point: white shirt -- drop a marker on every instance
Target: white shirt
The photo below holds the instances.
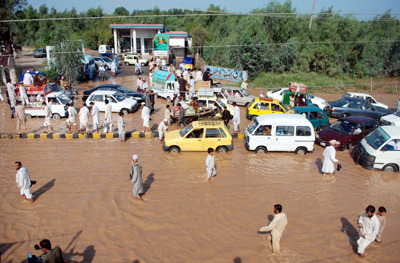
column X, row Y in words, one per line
column 84, row 114
column 28, row 79
column 146, row 113
column 139, row 83
column 113, row 67
column 176, row 87
column 236, row 115
column 95, row 113
column 72, row 113
column 145, row 86
column 370, row 226
column 121, row 124
column 47, row 110
column 108, row 113
column 162, row 128
column 210, row 163
column 192, row 85
column 244, row 85
column 11, row 90
column 199, row 75
column 22, row 178
column 278, row 224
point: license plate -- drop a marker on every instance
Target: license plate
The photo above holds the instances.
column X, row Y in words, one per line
column 323, row 144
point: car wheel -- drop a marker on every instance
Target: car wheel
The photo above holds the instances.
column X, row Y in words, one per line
column 126, row 63
column 28, row 116
column 390, row 168
column 174, row 149
column 168, row 100
column 222, row 149
column 301, row 150
column 344, row 115
column 56, row 116
column 246, row 105
column 345, row 147
column 125, row 111
column 261, row 149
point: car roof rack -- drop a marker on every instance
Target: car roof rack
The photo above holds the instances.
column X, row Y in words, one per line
column 208, row 121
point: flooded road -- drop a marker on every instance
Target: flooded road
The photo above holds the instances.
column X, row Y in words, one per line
column 84, row 204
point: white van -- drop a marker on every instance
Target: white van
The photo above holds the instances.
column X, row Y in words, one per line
column 280, row 132
column 379, row 149
column 58, row 107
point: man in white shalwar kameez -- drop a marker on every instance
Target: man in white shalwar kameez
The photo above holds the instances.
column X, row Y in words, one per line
column 162, row 129
column 47, row 118
column 210, row 164
column 146, row 118
column 329, row 153
column 95, row 116
column 24, row 96
column 136, row 178
column 12, row 96
column 71, row 118
column 121, row 126
column 108, row 117
column 275, row 228
column 84, row 118
column 236, row 118
column 24, row 182
column 28, row 79
column 369, row 227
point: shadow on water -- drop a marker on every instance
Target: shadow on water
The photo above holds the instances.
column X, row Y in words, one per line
column 154, row 127
column 351, row 232
column 318, row 163
column 147, row 184
column 136, row 261
column 43, row 189
column 88, row 254
column 237, row 260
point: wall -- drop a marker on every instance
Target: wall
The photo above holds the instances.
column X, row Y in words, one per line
column 227, row 74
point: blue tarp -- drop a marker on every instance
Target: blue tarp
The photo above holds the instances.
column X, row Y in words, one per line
column 88, row 59
column 33, row 73
column 188, row 60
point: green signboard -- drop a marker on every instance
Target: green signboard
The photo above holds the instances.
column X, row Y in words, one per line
column 161, row 45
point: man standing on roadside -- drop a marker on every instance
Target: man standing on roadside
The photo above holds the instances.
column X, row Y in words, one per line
column 84, row 118
column 121, row 126
column 275, row 228
column 210, row 164
column 369, row 227
column 95, row 116
column 168, row 114
column 181, row 116
column 108, row 117
column 136, row 178
column 21, row 118
column 12, row 97
column 236, row 118
column 226, row 116
column 146, row 118
column 24, row 181
column 71, row 118
column 162, row 129
column 47, row 118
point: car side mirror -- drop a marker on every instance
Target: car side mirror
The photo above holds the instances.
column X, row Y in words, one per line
column 357, row 131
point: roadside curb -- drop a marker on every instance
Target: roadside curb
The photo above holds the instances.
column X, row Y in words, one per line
column 87, row 136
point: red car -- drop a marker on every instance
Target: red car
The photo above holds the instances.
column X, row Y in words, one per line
column 348, row 131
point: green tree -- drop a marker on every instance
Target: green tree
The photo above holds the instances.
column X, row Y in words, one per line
column 68, row 59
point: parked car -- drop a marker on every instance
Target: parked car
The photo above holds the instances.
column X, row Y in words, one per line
column 391, row 119
column 131, row 60
column 117, row 100
column 279, row 95
column 205, row 101
column 238, row 95
column 58, row 107
column 124, row 90
column 260, row 106
column 348, row 131
column 315, row 115
column 280, row 132
column 199, row 136
column 39, row 53
column 52, row 87
column 379, row 150
column 347, row 106
column 366, row 97
column 104, row 61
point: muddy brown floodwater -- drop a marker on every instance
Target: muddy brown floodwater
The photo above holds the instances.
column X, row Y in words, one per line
column 84, row 200
column 84, row 204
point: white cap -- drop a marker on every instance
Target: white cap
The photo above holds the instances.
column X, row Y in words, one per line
column 143, row 103
column 166, row 120
column 28, row 71
column 135, row 157
column 37, row 72
column 334, row 142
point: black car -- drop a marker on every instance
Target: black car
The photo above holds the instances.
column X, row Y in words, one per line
column 127, row 92
column 39, row 53
column 347, row 106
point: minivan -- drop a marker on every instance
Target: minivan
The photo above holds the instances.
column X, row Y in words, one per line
column 280, row 132
column 380, row 149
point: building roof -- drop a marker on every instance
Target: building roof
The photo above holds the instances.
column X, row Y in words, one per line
column 176, row 34
column 137, row 26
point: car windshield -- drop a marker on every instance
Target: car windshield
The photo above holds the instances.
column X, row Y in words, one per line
column 397, row 113
column 342, row 126
column 252, row 126
column 251, row 103
column 185, row 130
column 277, row 90
column 220, row 102
column 119, row 96
column 341, row 101
column 293, row 111
column 346, row 95
column 377, row 138
column 124, row 89
column 245, row 93
column 56, row 88
column 106, row 59
column 63, row 99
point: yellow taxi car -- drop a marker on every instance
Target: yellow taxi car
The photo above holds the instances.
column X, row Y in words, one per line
column 260, row 106
column 199, row 136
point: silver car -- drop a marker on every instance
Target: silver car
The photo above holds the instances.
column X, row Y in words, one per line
column 105, row 61
column 238, row 95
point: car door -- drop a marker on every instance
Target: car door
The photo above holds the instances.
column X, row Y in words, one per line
column 212, row 139
column 263, row 137
column 99, row 102
column 228, row 94
column 284, row 138
column 193, row 141
column 115, row 105
column 276, row 108
column 355, row 108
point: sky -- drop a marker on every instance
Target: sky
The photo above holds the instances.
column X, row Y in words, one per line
column 244, row 6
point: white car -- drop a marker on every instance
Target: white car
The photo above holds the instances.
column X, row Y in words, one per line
column 58, row 107
column 391, row 119
column 117, row 100
column 279, row 93
column 366, row 97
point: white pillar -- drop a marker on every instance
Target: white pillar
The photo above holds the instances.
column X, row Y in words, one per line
column 118, row 51
column 142, row 45
column 134, row 41
column 115, row 40
column 130, row 39
column 158, row 31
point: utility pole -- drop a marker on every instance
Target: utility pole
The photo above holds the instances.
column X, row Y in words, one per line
column 312, row 14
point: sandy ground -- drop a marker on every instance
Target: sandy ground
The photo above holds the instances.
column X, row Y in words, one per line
column 84, row 200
